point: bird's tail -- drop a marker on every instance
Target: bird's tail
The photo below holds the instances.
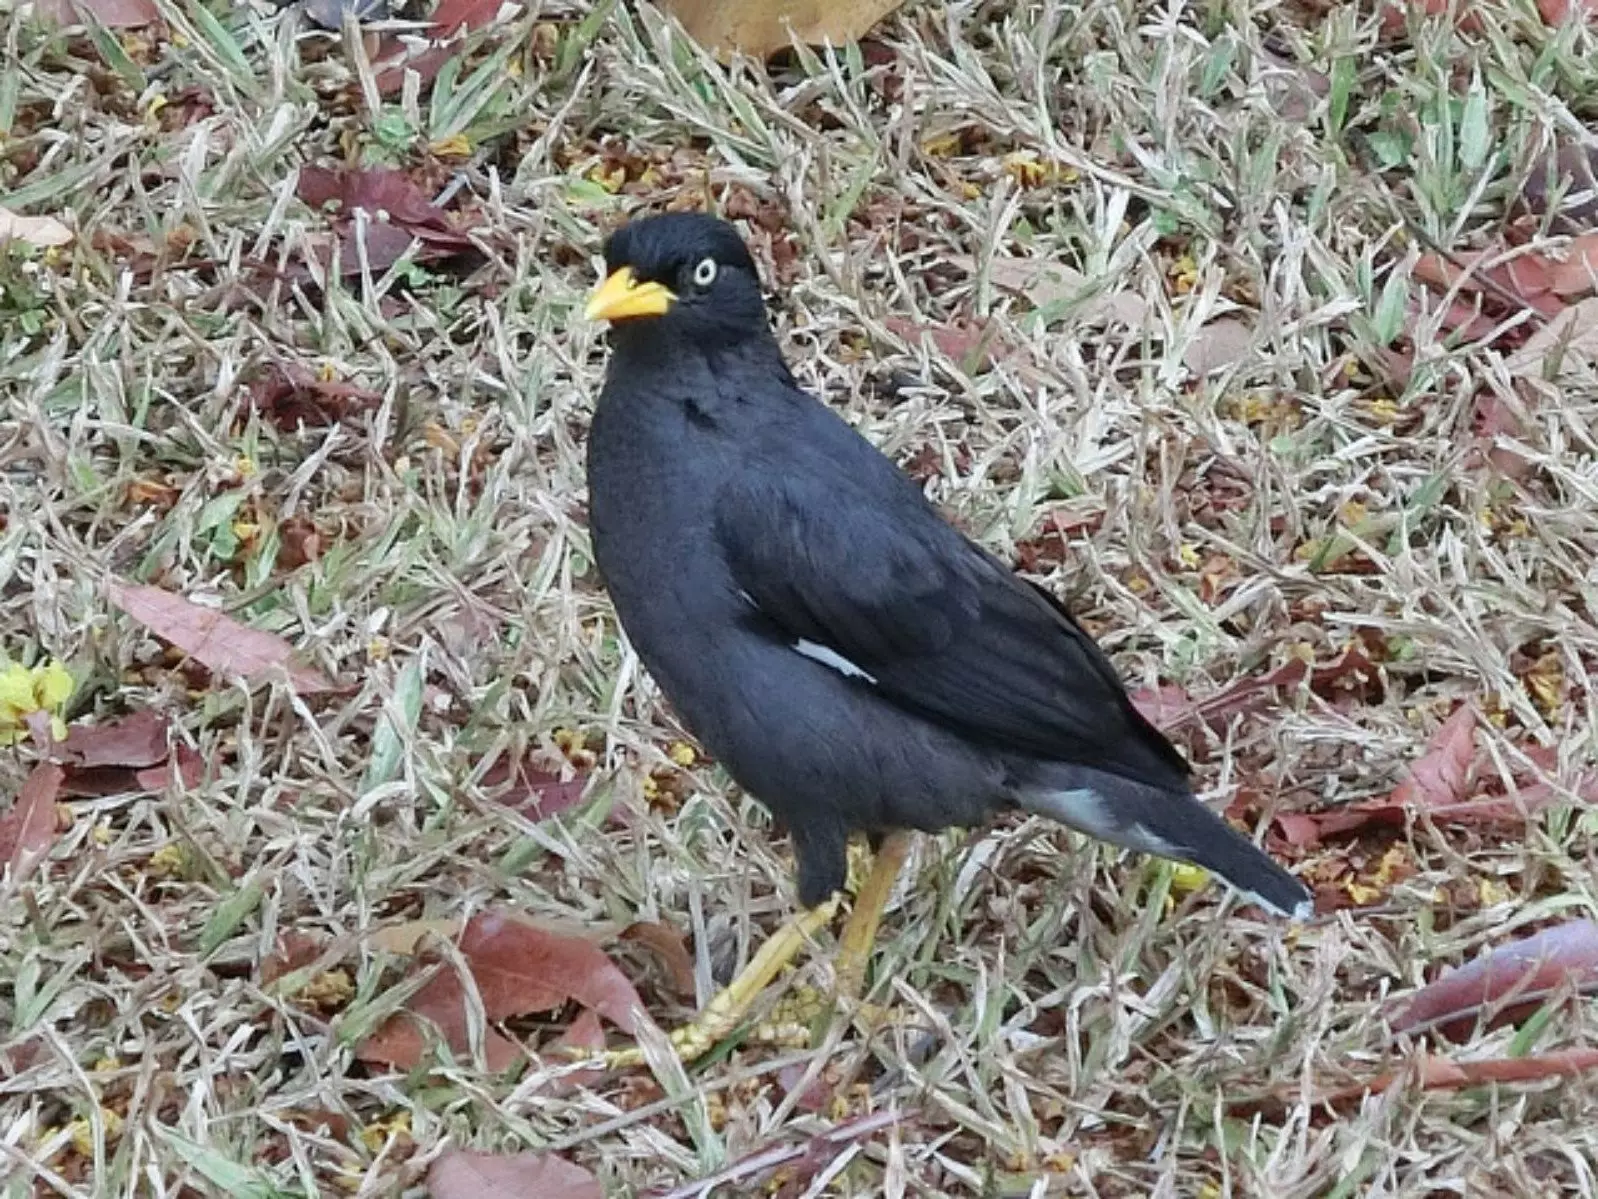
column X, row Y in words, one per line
column 1171, row 825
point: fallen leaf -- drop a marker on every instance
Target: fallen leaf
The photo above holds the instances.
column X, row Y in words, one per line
column 41, row 232
column 1506, row 983
column 1046, row 284
column 28, row 830
column 329, row 14
column 215, row 640
column 533, row 791
column 403, row 938
column 967, row 345
column 1566, row 177
column 1429, row 1072
column 138, row 740
column 1568, row 343
column 1220, row 344
column 1576, row 273
column 1169, row 707
column 762, row 27
column 666, row 945
column 518, row 969
column 294, row 951
column 465, row 1174
column 290, row 396
column 397, row 213
column 184, row 768
column 399, row 58
column 113, row 14
column 1441, row 775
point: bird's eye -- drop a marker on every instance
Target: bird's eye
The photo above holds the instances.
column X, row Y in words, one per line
column 705, row 272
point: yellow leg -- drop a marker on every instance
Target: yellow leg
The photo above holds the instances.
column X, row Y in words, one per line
column 860, row 933
column 727, row 1009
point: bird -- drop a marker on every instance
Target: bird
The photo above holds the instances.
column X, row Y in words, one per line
column 855, row 662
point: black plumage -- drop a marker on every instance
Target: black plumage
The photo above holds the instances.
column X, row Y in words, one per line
column 854, row 661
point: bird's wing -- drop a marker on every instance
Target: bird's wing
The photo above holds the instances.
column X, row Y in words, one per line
column 859, row 572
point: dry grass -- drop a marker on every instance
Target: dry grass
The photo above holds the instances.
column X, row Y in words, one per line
column 1064, row 1026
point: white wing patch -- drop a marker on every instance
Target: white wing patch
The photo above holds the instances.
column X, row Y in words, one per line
column 831, row 657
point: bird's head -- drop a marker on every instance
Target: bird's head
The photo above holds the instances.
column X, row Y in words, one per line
column 684, row 273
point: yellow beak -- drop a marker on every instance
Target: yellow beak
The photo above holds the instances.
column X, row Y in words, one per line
column 622, row 296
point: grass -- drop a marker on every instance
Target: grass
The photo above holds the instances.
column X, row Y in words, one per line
column 1070, row 1020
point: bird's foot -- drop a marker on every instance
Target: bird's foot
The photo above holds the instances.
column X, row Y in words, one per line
column 726, row 1011
column 797, row 1013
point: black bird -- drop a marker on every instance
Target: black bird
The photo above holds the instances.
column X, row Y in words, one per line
column 854, row 661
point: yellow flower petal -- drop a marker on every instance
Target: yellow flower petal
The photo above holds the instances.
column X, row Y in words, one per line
column 52, row 684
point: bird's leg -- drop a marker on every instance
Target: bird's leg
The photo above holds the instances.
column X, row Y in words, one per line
column 728, row 1007
column 722, row 1015
column 860, row 932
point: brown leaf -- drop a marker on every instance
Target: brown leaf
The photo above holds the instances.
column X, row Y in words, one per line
column 218, row 642
column 398, row 58
column 1220, row 344
column 1570, row 341
column 762, row 27
column 968, row 346
column 464, row 1174
column 666, row 944
column 1506, row 983
column 113, row 14
column 290, row 396
column 533, row 791
column 405, row 937
column 184, row 768
column 1568, row 177
column 138, row 740
column 1169, row 707
column 1441, row 775
column 294, row 951
column 397, row 211
column 28, row 830
column 1431, row 1073
column 1045, row 283
column 41, row 232
column 1577, row 273
column 518, row 969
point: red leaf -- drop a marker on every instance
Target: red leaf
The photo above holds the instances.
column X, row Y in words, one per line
column 1507, row 982
column 451, row 17
column 1442, row 774
column 28, row 829
column 463, row 1174
column 666, row 944
column 1433, row 1073
column 138, row 740
column 532, row 791
column 290, row 396
column 184, row 767
column 218, row 642
column 113, row 14
column 968, row 345
column 398, row 212
column 1578, row 273
column 294, row 951
column 518, row 969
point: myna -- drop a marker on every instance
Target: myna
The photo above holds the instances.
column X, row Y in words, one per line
column 855, row 662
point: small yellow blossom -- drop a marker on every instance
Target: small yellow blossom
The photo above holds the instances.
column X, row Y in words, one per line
column 682, row 753
column 378, row 1133
column 456, row 145
column 1186, row 878
column 28, row 689
column 82, row 1131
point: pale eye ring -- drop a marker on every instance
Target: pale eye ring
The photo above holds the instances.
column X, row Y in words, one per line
column 705, row 272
